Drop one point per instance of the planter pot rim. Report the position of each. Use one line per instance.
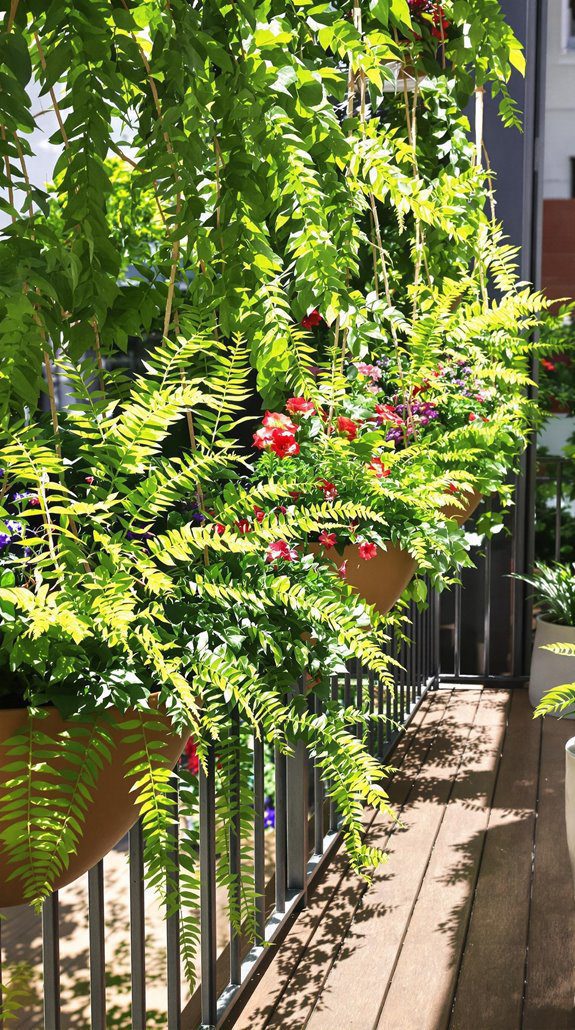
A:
(570, 746)
(555, 625)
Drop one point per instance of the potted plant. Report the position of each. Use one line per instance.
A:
(560, 701)
(554, 597)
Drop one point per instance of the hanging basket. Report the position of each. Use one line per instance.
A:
(470, 500)
(112, 810)
(379, 581)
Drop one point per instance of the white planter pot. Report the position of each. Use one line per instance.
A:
(570, 800)
(550, 670)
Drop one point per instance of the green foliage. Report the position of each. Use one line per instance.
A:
(560, 699)
(554, 592)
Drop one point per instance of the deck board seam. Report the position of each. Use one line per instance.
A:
(424, 872)
(479, 865)
(533, 855)
(414, 736)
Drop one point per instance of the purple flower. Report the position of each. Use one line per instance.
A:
(198, 518)
(5, 539)
(16, 528)
(269, 815)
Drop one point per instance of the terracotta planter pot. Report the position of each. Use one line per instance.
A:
(112, 811)
(471, 502)
(380, 581)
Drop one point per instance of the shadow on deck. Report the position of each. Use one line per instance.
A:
(471, 924)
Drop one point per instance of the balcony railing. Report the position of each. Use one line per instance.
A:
(306, 835)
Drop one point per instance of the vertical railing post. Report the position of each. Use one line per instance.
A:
(97, 933)
(137, 928)
(281, 829)
(297, 815)
(173, 919)
(51, 962)
(208, 890)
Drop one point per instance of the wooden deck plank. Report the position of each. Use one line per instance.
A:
(333, 895)
(354, 989)
(491, 980)
(426, 970)
(551, 953)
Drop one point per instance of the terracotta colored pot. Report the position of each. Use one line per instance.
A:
(471, 502)
(113, 809)
(380, 581)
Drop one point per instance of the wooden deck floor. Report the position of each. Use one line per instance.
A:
(471, 924)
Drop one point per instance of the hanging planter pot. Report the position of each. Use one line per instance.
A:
(470, 500)
(570, 800)
(112, 810)
(379, 581)
(550, 670)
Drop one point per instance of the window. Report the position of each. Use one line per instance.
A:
(570, 24)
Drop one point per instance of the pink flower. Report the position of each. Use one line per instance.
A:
(347, 427)
(371, 371)
(275, 420)
(327, 540)
(342, 571)
(377, 468)
(329, 489)
(263, 439)
(259, 513)
(281, 551)
(299, 406)
(367, 551)
(311, 319)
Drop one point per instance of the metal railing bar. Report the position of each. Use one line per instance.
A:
(558, 508)
(97, 936)
(280, 830)
(137, 928)
(174, 983)
(457, 631)
(333, 815)
(259, 841)
(51, 962)
(297, 812)
(208, 946)
(318, 796)
(235, 851)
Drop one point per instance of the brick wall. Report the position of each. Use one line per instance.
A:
(558, 272)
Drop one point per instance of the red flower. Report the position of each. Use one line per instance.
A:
(275, 420)
(295, 495)
(387, 413)
(329, 489)
(243, 526)
(342, 571)
(259, 513)
(440, 24)
(280, 441)
(284, 444)
(191, 753)
(367, 551)
(89, 480)
(311, 319)
(299, 406)
(282, 509)
(472, 417)
(549, 365)
(377, 468)
(327, 540)
(452, 488)
(280, 550)
(219, 528)
(347, 427)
